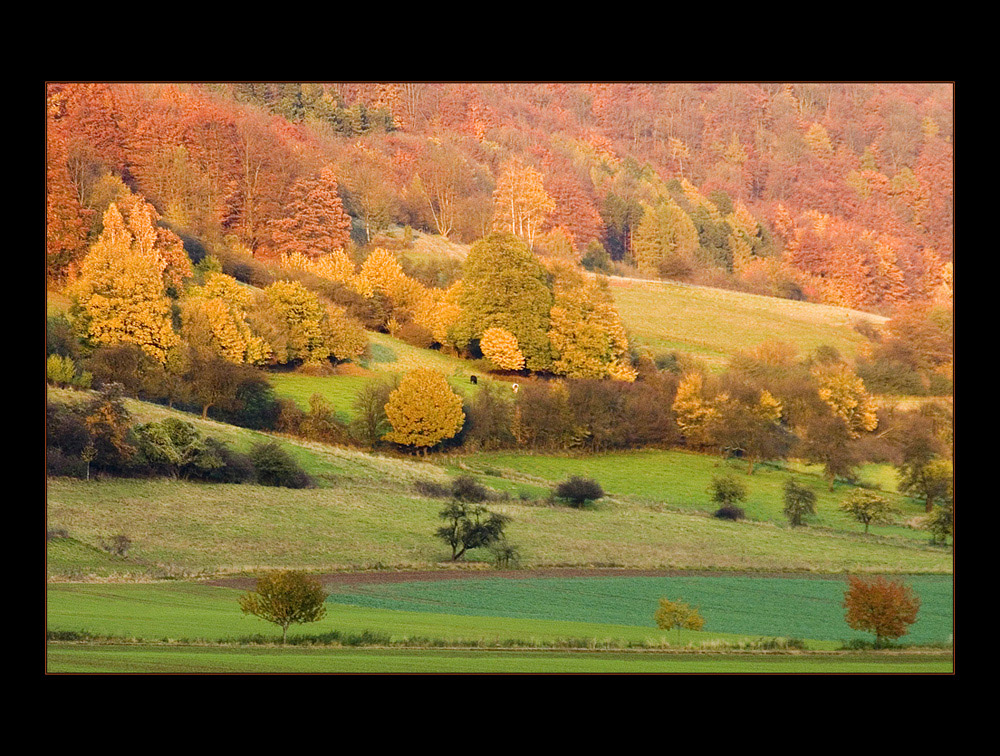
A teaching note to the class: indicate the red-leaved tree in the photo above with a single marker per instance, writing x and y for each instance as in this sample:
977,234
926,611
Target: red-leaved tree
880,606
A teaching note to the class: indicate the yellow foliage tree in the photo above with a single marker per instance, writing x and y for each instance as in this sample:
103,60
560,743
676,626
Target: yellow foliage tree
693,413
438,310
301,327
120,295
215,317
423,410
335,266
521,203
744,230
845,394
500,347
586,333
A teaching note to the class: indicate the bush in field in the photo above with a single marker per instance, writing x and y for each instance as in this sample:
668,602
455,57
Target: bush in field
176,447
671,614
505,554
466,488
236,467
470,527
880,606
118,545
868,508
799,502
275,467
578,491
286,598
728,492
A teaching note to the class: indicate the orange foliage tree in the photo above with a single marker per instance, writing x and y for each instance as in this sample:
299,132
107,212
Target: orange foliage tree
314,222
880,606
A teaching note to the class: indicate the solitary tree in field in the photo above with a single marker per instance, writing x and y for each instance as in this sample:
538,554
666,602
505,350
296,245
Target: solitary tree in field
728,492
941,523
868,507
799,501
931,481
286,598
883,607
470,527
677,614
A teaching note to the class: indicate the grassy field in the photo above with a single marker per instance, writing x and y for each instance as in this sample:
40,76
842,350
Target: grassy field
712,324
181,528
387,357
67,658
680,480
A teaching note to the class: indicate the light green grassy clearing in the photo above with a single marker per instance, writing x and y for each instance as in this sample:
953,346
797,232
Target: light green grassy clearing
73,658
388,357
714,323
681,480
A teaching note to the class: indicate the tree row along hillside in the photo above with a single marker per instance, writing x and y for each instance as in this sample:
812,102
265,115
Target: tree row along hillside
840,194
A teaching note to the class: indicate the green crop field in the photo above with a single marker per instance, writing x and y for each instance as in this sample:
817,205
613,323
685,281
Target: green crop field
193,619
742,605
194,612
713,324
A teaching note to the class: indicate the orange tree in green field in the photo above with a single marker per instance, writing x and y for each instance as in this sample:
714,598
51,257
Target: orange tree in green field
880,606
423,410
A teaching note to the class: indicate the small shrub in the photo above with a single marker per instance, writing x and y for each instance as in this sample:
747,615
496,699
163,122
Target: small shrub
275,467
467,488
729,512
119,545
505,554
236,467
431,489
53,533
578,491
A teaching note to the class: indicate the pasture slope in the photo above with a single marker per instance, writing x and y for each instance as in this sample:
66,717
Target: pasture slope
170,604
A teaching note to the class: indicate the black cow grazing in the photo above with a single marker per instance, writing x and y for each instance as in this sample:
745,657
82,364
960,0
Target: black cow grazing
473,379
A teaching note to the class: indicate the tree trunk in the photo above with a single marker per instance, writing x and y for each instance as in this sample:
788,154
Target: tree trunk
284,634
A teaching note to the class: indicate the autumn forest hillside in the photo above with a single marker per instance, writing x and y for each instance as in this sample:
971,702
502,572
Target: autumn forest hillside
838,193
735,268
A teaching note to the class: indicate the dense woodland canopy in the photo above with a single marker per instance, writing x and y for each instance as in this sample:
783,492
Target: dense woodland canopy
840,193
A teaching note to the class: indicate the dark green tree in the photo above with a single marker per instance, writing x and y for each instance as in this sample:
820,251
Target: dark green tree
799,502
470,526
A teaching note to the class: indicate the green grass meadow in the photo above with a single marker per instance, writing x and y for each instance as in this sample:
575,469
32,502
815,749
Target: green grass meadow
126,659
